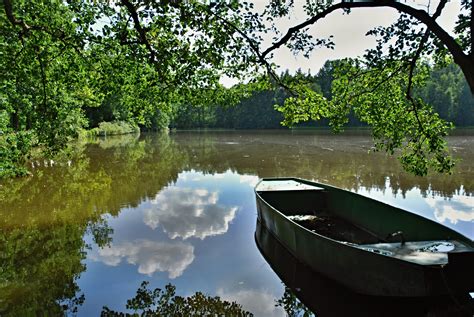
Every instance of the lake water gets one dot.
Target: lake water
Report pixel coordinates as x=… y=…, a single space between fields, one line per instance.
x=179 y=208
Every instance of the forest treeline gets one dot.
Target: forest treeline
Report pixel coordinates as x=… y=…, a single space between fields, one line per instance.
x=445 y=89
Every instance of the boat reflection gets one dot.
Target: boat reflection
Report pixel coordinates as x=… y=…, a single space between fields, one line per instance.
x=326 y=297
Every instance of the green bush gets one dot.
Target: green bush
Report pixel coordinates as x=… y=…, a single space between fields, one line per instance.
x=110 y=128
x=117 y=127
x=14 y=151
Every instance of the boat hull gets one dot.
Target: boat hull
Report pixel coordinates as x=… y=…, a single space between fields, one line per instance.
x=362 y=271
x=327 y=297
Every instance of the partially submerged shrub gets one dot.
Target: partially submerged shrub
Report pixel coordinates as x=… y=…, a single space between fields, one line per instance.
x=117 y=127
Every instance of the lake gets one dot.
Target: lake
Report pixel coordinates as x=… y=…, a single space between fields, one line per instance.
x=179 y=208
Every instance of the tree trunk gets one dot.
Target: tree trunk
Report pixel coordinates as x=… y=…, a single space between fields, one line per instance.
x=15 y=121
x=467 y=66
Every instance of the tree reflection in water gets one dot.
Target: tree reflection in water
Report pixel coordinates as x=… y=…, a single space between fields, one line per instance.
x=39 y=267
x=292 y=305
x=165 y=302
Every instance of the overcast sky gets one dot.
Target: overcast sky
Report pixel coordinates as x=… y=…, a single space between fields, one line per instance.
x=348 y=31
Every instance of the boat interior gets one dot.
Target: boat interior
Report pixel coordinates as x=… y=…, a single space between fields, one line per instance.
x=334 y=227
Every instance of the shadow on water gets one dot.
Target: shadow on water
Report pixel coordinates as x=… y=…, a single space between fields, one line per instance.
x=326 y=297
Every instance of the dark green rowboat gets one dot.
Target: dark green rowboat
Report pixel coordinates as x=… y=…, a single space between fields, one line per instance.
x=371 y=247
x=326 y=297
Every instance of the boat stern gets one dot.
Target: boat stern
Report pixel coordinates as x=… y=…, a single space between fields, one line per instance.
x=460 y=272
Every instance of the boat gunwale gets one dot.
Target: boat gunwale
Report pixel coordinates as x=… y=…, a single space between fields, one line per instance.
x=350 y=245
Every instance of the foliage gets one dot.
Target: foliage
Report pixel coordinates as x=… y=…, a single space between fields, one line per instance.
x=443 y=88
x=292 y=306
x=254 y=112
x=448 y=93
x=43 y=79
x=165 y=302
x=307 y=105
x=112 y=128
x=14 y=151
x=241 y=106
x=396 y=121
x=39 y=270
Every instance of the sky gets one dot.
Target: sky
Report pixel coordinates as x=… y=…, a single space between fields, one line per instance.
x=348 y=31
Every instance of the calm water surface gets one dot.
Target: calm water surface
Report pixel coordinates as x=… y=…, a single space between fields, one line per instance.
x=180 y=209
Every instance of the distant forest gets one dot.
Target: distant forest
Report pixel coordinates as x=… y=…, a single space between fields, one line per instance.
x=445 y=89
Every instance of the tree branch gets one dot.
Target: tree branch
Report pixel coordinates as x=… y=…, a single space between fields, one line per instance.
x=472 y=31
x=43 y=80
x=464 y=61
x=420 y=15
x=138 y=27
x=380 y=83
x=410 y=77
x=261 y=59
x=9 y=11
x=415 y=58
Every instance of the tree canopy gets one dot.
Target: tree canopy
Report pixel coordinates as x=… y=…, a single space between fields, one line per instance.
x=67 y=65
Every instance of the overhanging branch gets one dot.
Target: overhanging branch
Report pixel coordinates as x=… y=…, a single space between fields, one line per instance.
x=260 y=57
x=413 y=62
x=465 y=61
x=11 y=17
x=138 y=27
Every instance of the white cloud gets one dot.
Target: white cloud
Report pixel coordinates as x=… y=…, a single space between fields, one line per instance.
x=187 y=212
x=150 y=256
x=459 y=208
x=258 y=302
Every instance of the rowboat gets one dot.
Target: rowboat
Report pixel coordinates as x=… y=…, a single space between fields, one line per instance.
x=323 y=296
x=368 y=246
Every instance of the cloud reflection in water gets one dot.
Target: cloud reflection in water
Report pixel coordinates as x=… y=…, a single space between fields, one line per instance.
x=459 y=208
x=258 y=302
x=187 y=212
x=150 y=256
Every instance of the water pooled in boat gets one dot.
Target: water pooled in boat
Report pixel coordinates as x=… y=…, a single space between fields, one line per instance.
x=443 y=246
